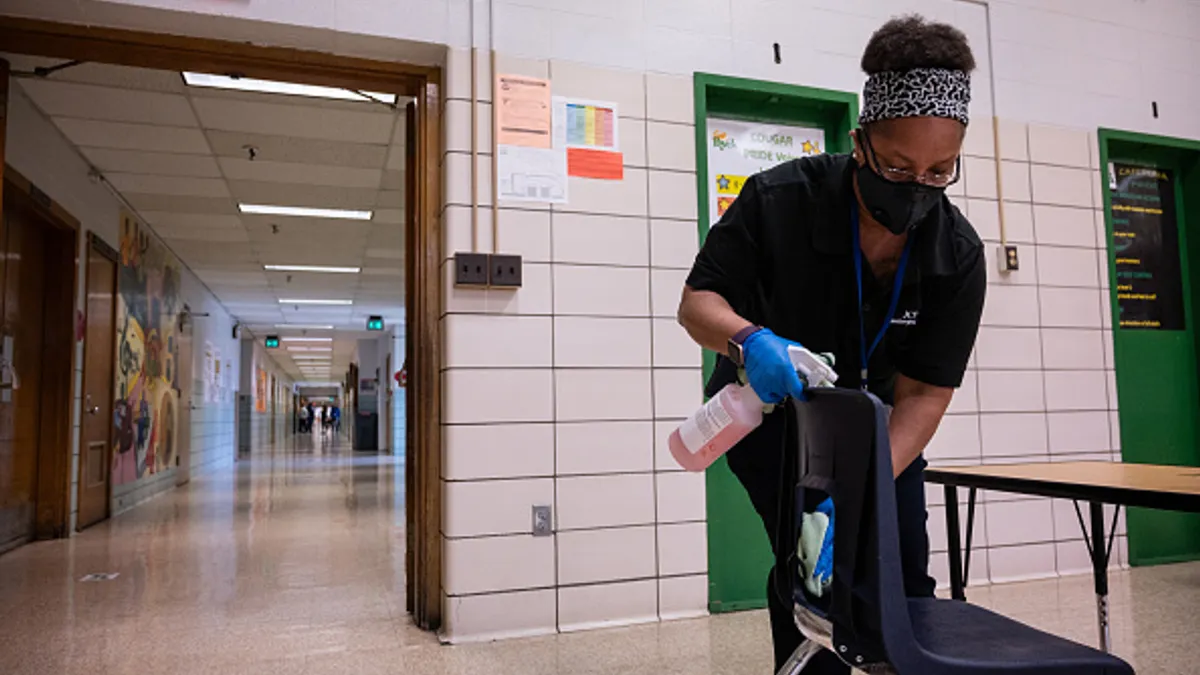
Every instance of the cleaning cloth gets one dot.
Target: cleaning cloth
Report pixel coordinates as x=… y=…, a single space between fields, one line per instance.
x=816 y=548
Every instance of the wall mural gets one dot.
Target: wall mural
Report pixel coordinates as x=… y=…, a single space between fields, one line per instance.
x=147 y=398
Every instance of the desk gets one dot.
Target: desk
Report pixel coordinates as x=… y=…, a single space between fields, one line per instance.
x=1171 y=488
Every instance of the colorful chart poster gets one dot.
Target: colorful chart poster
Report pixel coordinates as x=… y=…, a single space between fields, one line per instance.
x=1146 y=248
x=738 y=149
x=523 y=115
x=591 y=125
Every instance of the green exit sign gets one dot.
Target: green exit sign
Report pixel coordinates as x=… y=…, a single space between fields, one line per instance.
x=272 y=342
x=375 y=323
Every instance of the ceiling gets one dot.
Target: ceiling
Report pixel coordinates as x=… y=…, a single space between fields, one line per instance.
x=181 y=157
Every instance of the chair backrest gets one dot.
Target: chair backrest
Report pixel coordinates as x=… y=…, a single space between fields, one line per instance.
x=842 y=449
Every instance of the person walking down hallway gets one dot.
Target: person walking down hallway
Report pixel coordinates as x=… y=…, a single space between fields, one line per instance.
x=862 y=256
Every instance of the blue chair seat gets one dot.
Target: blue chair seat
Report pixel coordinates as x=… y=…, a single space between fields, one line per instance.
x=983 y=642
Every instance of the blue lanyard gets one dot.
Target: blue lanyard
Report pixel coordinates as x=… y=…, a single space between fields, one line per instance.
x=897 y=284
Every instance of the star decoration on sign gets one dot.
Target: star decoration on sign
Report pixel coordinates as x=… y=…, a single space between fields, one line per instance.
x=722 y=183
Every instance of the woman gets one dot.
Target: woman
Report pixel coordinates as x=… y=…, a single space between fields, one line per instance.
x=862 y=256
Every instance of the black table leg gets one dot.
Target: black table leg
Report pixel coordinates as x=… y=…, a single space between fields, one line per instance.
x=955 y=545
x=970 y=530
x=1100 y=572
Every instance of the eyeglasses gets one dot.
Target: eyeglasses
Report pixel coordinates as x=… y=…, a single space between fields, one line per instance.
x=935 y=179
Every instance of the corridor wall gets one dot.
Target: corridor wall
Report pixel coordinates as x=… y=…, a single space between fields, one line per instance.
x=41 y=154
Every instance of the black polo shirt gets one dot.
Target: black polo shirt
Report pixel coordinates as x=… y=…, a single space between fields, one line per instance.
x=782 y=256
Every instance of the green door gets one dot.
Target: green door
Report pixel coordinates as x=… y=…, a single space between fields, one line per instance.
x=739 y=554
x=1152 y=213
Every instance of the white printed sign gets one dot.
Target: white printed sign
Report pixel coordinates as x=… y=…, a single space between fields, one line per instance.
x=738 y=150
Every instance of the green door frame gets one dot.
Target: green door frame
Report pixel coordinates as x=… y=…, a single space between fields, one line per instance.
x=739 y=554
x=1158 y=379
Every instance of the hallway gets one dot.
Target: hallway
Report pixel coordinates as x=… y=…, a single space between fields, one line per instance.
x=292 y=563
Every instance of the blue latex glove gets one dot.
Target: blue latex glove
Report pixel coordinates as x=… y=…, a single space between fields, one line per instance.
x=823 y=570
x=769 y=368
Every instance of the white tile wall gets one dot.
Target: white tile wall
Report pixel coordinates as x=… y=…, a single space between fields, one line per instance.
x=1013 y=435
x=497 y=451
x=1074 y=267
x=585 y=607
x=601 y=240
x=683 y=597
x=603 y=281
x=592 y=556
x=605 y=501
x=492 y=507
x=683 y=548
x=601 y=342
x=513 y=563
x=494 y=616
x=601 y=291
x=610 y=394
x=605 y=447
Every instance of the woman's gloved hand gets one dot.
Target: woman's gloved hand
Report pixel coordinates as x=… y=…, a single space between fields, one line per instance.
x=769 y=368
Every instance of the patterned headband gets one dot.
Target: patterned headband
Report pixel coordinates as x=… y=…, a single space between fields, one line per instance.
x=920 y=92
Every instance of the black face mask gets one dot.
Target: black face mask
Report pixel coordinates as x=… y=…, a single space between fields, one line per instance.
x=897 y=206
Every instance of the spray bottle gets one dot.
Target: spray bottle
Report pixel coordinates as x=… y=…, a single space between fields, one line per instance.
x=736 y=411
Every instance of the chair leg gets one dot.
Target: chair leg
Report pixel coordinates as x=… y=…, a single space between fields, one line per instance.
x=800 y=658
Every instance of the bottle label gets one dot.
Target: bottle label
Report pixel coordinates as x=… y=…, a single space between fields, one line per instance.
x=702 y=427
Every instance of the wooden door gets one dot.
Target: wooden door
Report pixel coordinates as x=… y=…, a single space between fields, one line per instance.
x=186 y=387
x=96 y=433
x=22 y=278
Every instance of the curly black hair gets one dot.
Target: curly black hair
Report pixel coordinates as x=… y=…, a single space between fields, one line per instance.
x=911 y=41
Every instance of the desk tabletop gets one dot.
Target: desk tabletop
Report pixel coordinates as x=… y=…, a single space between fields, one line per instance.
x=1156 y=486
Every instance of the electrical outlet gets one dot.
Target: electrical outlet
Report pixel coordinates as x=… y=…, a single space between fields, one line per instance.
x=542 y=525
x=471 y=269
x=1008 y=259
x=505 y=271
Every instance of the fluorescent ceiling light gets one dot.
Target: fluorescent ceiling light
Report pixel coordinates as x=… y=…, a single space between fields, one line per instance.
x=289 y=88
x=303 y=211
x=312 y=268
x=300 y=326
x=306 y=339
x=310 y=349
x=313 y=301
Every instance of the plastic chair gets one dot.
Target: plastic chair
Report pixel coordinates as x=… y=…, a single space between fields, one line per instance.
x=841 y=448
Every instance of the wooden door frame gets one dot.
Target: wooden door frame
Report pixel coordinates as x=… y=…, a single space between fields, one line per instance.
x=101 y=247
x=423 y=258
x=58 y=355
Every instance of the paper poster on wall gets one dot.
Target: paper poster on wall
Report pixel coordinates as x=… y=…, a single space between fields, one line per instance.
x=207 y=376
x=531 y=174
x=1146 y=248
x=589 y=130
x=738 y=149
x=523 y=115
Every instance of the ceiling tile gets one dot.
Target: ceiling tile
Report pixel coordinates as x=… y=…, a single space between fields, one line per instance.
x=99 y=134
x=393 y=180
x=197 y=234
x=190 y=205
x=158 y=163
x=396 y=158
x=92 y=102
x=168 y=185
x=124 y=77
x=391 y=199
x=386 y=253
x=320 y=196
x=393 y=216
x=293 y=120
x=297 y=150
x=192 y=220
x=304 y=174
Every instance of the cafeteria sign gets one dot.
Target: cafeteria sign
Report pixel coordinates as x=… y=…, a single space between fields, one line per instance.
x=738 y=150
x=1146 y=248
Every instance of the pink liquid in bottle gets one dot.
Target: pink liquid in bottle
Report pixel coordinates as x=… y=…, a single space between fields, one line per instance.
x=716 y=427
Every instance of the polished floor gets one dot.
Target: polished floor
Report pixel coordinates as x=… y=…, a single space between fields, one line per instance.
x=293 y=563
